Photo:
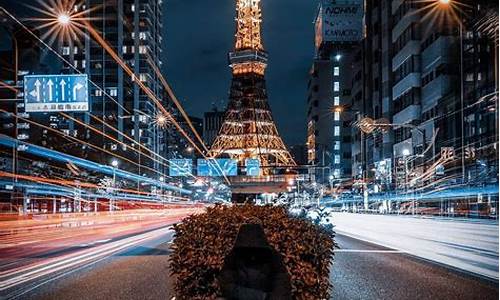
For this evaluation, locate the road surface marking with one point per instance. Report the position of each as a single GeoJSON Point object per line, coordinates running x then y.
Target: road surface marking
{"type": "Point", "coordinates": [368, 251]}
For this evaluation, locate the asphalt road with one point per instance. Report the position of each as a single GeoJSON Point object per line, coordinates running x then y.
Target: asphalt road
{"type": "Point", "coordinates": [361, 271]}
{"type": "Point", "coordinates": [367, 271]}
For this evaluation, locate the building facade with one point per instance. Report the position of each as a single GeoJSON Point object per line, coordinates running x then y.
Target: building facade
{"type": "Point", "coordinates": [329, 106]}
{"type": "Point", "coordinates": [119, 108]}
{"type": "Point", "coordinates": [431, 79]}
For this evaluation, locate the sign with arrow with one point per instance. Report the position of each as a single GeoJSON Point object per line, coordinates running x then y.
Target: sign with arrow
{"type": "Point", "coordinates": [50, 93]}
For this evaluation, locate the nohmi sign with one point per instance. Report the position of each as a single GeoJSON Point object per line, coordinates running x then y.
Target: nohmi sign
{"type": "Point", "coordinates": [52, 93]}
{"type": "Point", "coordinates": [342, 20]}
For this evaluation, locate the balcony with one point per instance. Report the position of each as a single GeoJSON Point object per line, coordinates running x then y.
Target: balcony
{"type": "Point", "coordinates": [435, 90]}
{"type": "Point", "coordinates": [439, 52]}
{"type": "Point", "coordinates": [408, 114]}
{"type": "Point", "coordinates": [411, 48]}
{"type": "Point", "coordinates": [411, 80]}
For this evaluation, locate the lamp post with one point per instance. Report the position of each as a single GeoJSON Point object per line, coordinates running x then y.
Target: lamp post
{"type": "Point", "coordinates": [447, 4]}
{"type": "Point", "coordinates": [114, 163]}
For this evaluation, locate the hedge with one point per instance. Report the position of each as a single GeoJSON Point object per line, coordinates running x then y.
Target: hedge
{"type": "Point", "coordinates": [202, 241]}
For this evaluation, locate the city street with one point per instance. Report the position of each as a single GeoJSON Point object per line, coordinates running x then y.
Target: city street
{"type": "Point", "coordinates": [140, 270]}
{"type": "Point", "coordinates": [173, 149]}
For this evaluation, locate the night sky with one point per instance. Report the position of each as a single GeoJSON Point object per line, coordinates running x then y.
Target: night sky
{"type": "Point", "coordinates": [200, 33]}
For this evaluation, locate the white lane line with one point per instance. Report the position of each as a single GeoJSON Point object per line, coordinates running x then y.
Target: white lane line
{"type": "Point", "coordinates": [369, 251]}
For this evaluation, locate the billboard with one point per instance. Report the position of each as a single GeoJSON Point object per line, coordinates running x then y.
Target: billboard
{"type": "Point", "coordinates": [341, 20]}
{"type": "Point", "coordinates": [217, 167]}
{"type": "Point", "coordinates": [253, 166]}
{"type": "Point", "coordinates": [50, 93]}
{"type": "Point", "coordinates": [383, 171]}
{"type": "Point", "coordinates": [180, 167]}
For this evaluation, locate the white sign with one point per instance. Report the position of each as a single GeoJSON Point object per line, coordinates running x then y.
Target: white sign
{"type": "Point", "coordinates": [342, 20]}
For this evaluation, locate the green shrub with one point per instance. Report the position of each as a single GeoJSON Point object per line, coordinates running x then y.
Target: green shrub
{"type": "Point", "coordinates": [202, 241]}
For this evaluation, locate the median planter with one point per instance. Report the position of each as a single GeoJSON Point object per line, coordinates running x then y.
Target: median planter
{"type": "Point", "coordinates": [202, 242]}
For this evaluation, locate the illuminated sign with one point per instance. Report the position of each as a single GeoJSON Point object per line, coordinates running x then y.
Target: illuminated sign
{"type": "Point", "coordinates": [217, 167]}
{"type": "Point", "coordinates": [341, 21]}
{"type": "Point", "coordinates": [180, 167]}
{"type": "Point", "coordinates": [253, 166]}
{"type": "Point", "coordinates": [52, 93]}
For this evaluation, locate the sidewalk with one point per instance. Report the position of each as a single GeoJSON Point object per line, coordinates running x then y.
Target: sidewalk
{"type": "Point", "coordinates": [469, 246]}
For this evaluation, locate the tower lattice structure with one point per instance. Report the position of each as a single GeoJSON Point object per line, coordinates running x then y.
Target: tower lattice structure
{"type": "Point", "coordinates": [248, 130]}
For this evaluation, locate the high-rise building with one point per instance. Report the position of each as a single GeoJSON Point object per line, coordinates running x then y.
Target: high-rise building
{"type": "Point", "coordinates": [425, 73]}
{"type": "Point", "coordinates": [119, 108]}
{"type": "Point", "coordinates": [212, 122]}
{"type": "Point", "coordinates": [329, 101]}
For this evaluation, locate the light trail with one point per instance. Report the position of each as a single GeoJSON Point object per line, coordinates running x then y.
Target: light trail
{"type": "Point", "coordinates": [43, 152]}
{"type": "Point", "coordinates": [68, 137]}
{"type": "Point", "coordinates": [61, 250]}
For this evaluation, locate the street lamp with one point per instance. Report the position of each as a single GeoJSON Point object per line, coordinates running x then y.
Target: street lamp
{"type": "Point", "coordinates": [63, 19]}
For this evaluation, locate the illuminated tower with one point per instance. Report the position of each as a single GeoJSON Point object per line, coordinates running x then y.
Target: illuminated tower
{"type": "Point", "coordinates": [248, 130]}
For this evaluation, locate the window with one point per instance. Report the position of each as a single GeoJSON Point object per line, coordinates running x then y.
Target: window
{"type": "Point", "coordinates": [142, 35]}
{"type": "Point", "coordinates": [336, 100]}
{"type": "Point", "coordinates": [65, 50]}
{"type": "Point", "coordinates": [336, 146]}
{"type": "Point", "coordinates": [336, 131]}
{"type": "Point", "coordinates": [98, 93]}
{"type": "Point", "coordinates": [84, 63]}
{"type": "Point", "coordinates": [113, 92]}
{"type": "Point", "coordinates": [142, 49]}
{"type": "Point", "coordinates": [337, 159]}
{"type": "Point", "coordinates": [75, 50]}
{"type": "Point", "coordinates": [336, 71]}
{"type": "Point", "coordinates": [336, 86]}
{"type": "Point", "coordinates": [337, 116]}
{"type": "Point", "coordinates": [124, 49]}
{"type": "Point", "coordinates": [142, 77]}
{"type": "Point", "coordinates": [132, 7]}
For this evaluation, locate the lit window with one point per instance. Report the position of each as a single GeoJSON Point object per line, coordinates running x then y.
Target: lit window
{"type": "Point", "coordinates": [132, 7]}
{"type": "Point", "coordinates": [65, 50]}
{"type": "Point", "coordinates": [142, 49]}
{"type": "Point", "coordinates": [84, 63]}
{"type": "Point", "coordinates": [336, 71]}
{"type": "Point", "coordinates": [75, 63]}
{"type": "Point", "coordinates": [336, 146]}
{"type": "Point", "coordinates": [124, 49]}
{"type": "Point", "coordinates": [142, 35]}
{"type": "Point", "coordinates": [142, 77]}
{"type": "Point", "coordinates": [337, 116]}
{"type": "Point", "coordinates": [337, 159]}
{"type": "Point", "coordinates": [75, 50]}
{"type": "Point", "coordinates": [336, 131]}
{"type": "Point", "coordinates": [98, 93]}
{"type": "Point", "coordinates": [336, 86]}
{"type": "Point", "coordinates": [113, 92]}
{"type": "Point", "coordinates": [336, 100]}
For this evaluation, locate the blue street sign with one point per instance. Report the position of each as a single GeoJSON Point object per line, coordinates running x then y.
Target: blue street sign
{"type": "Point", "coordinates": [180, 167]}
{"type": "Point", "coordinates": [229, 167]}
{"type": "Point", "coordinates": [253, 166]}
{"type": "Point", "coordinates": [48, 93]}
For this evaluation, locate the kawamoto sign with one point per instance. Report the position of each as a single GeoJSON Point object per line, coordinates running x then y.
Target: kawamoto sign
{"type": "Point", "coordinates": [342, 20]}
